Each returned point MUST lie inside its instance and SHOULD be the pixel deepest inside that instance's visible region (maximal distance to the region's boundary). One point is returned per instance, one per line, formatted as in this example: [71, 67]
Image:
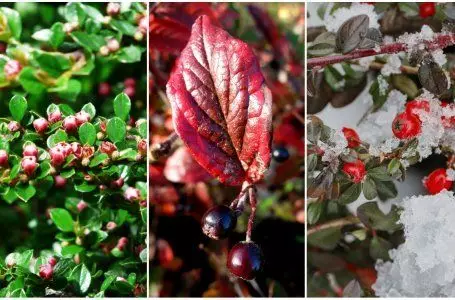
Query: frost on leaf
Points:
[424, 265]
[181, 167]
[221, 107]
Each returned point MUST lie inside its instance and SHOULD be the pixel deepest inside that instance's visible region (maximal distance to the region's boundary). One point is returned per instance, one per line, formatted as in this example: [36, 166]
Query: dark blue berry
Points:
[219, 221]
[280, 154]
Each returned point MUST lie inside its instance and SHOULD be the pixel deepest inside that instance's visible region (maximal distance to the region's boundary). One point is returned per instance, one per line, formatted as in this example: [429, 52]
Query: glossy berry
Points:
[130, 82]
[352, 137]
[245, 260]
[218, 222]
[104, 89]
[57, 156]
[280, 154]
[406, 126]
[131, 194]
[427, 9]
[415, 106]
[81, 205]
[59, 181]
[70, 124]
[113, 8]
[3, 158]
[13, 126]
[111, 226]
[121, 243]
[54, 116]
[40, 125]
[11, 69]
[130, 91]
[113, 45]
[30, 150]
[437, 181]
[82, 117]
[46, 271]
[52, 261]
[355, 170]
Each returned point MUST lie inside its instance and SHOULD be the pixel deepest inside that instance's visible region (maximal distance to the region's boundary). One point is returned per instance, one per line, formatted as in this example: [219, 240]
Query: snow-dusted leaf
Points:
[181, 167]
[372, 38]
[221, 107]
[352, 289]
[352, 32]
[433, 78]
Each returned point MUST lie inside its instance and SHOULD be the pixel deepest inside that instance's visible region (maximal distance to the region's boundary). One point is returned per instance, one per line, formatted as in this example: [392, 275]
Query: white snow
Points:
[335, 146]
[334, 21]
[392, 66]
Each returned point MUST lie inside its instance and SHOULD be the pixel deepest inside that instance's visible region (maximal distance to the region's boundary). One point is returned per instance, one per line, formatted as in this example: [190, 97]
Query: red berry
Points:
[13, 126]
[3, 158]
[437, 181]
[81, 206]
[108, 148]
[245, 260]
[355, 170]
[70, 124]
[352, 137]
[129, 82]
[59, 181]
[54, 116]
[121, 243]
[130, 91]
[57, 156]
[104, 89]
[218, 222]
[40, 125]
[82, 117]
[46, 271]
[406, 126]
[113, 9]
[414, 106]
[131, 194]
[29, 165]
[427, 9]
[30, 150]
[11, 69]
[52, 261]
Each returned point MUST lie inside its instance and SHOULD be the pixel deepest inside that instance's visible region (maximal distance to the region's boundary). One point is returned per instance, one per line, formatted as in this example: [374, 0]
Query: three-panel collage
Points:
[227, 149]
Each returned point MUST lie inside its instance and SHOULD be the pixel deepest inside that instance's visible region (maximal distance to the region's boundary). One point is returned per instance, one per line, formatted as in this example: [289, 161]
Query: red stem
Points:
[441, 41]
[253, 203]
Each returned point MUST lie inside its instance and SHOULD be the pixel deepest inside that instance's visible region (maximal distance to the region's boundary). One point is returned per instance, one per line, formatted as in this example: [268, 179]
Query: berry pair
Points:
[245, 260]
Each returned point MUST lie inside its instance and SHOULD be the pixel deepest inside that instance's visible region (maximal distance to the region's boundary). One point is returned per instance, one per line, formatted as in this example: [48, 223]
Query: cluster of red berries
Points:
[46, 271]
[245, 259]
[355, 170]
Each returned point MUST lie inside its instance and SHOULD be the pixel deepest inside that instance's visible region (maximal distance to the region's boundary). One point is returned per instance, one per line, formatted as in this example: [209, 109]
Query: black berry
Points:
[218, 222]
[280, 154]
[245, 260]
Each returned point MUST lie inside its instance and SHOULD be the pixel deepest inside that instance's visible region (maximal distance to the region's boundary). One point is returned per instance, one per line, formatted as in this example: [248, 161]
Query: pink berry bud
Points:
[3, 158]
[46, 271]
[11, 69]
[104, 51]
[121, 243]
[113, 9]
[52, 261]
[70, 124]
[111, 226]
[57, 156]
[40, 125]
[81, 205]
[30, 150]
[102, 187]
[117, 184]
[104, 89]
[59, 181]
[130, 82]
[29, 165]
[113, 45]
[108, 148]
[130, 91]
[82, 117]
[10, 260]
[13, 126]
[54, 116]
[131, 194]
[143, 23]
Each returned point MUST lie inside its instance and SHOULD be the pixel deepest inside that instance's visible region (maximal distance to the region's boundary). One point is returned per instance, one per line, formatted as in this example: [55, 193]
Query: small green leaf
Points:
[379, 173]
[25, 191]
[82, 276]
[315, 210]
[124, 27]
[130, 54]
[379, 248]
[85, 187]
[87, 134]
[72, 250]
[53, 64]
[24, 258]
[91, 42]
[90, 109]
[14, 21]
[351, 194]
[369, 189]
[18, 107]
[30, 83]
[98, 159]
[62, 219]
[326, 239]
[116, 129]
[72, 90]
[122, 106]
[370, 215]
[59, 136]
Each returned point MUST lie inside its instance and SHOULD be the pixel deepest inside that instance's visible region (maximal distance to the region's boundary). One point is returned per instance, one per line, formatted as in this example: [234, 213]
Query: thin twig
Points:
[164, 148]
[350, 220]
[253, 204]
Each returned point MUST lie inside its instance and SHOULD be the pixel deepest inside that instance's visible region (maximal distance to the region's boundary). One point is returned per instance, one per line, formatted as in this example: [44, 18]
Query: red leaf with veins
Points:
[221, 107]
[181, 167]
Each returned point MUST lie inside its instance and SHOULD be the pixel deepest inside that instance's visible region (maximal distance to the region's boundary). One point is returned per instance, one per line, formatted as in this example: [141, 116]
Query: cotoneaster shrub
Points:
[73, 150]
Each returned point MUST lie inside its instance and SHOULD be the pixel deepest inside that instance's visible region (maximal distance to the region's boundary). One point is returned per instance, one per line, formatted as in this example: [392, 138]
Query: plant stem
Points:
[253, 204]
[441, 41]
[350, 220]
[164, 148]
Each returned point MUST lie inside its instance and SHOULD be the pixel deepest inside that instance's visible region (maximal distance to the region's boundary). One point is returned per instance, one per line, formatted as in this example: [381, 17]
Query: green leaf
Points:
[123, 26]
[57, 35]
[91, 42]
[74, 12]
[23, 260]
[315, 210]
[107, 283]
[63, 266]
[369, 189]
[67, 173]
[142, 128]
[85, 187]
[90, 109]
[14, 21]
[25, 191]
[62, 219]
[116, 129]
[82, 276]
[370, 215]
[72, 90]
[326, 239]
[18, 107]
[379, 248]
[72, 250]
[53, 64]
[393, 166]
[378, 93]
[379, 173]
[30, 83]
[351, 194]
[59, 136]
[98, 159]
[386, 189]
[130, 54]
[122, 106]
[87, 134]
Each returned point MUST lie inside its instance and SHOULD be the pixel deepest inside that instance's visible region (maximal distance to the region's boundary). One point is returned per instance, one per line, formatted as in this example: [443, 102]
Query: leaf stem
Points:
[441, 41]
[253, 205]
[349, 220]
[164, 148]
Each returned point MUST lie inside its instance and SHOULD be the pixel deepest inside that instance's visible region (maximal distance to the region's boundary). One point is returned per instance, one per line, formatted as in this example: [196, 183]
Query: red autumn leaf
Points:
[181, 167]
[170, 24]
[221, 107]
